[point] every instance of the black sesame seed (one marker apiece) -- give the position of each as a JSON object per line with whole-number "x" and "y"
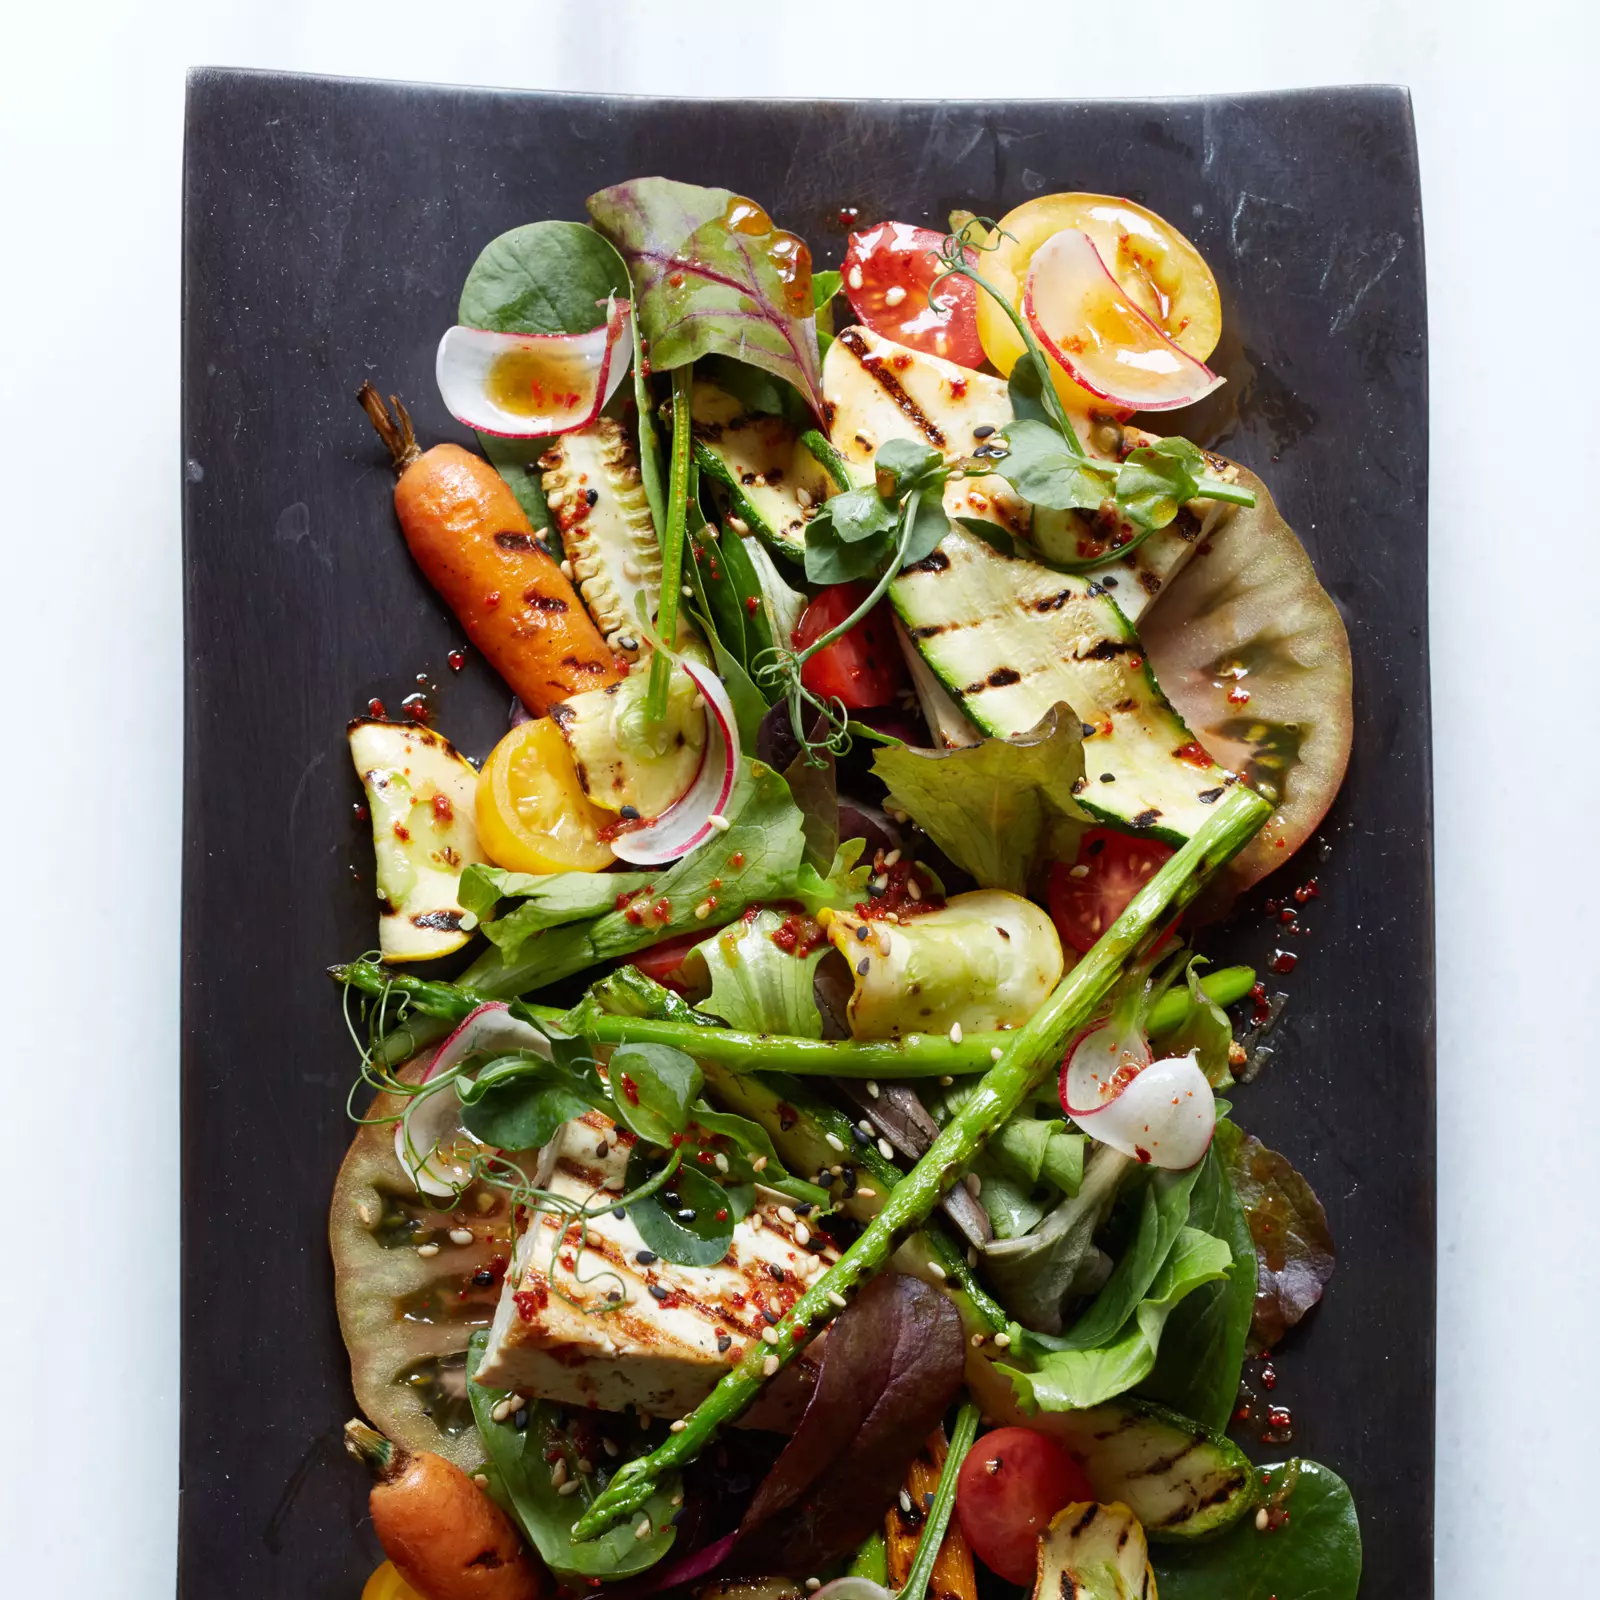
{"x": 863, "y": 933}
{"x": 647, "y": 1258}
{"x": 771, "y": 1318}
{"x": 1109, "y": 582}
{"x": 1088, "y": 730}
{"x": 983, "y": 430}
{"x": 591, "y": 495}
{"x": 620, "y": 1213}
{"x": 778, "y": 1274}
{"x": 520, "y": 1421}
{"x": 613, "y": 1295}
{"x": 863, "y": 966}
{"x": 804, "y": 1209}
{"x": 658, "y": 1293}
{"x": 1208, "y": 796}
{"x": 724, "y": 1343}
{"x": 1108, "y": 777}
{"x": 629, "y": 813}
{"x": 686, "y": 1214}
{"x": 603, "y": 1149}
{"x": 483, "y": 1277}
{"x": 860, "y": 1137}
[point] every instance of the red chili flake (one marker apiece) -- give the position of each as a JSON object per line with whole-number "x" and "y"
{"x": 1194, "y": 753}
{"x": 630, "y": 1089}
{"x": 751, "y": 603}
{"x": 849, "y": 216}
{"x": 736, "y": 859}
{"x": 457, "y": 660}
{"x": 362, "y": 814}
{"x": 635, "y": 916}
{"x": 662, "y": 909}
{"x": 623, "y": 899}
{"x": 675, "y": 279}
{"x": 1269, "y": 1376}
{"x": 1283, "y": 961}
{"x": 1143, "y": 1154}
{"x": 958, "y": 388}
{"x": 492, "y": 599}
{"x": 722, "y": 1213}
{"x": 1308, "y": 891}
{"x": 444, "y": 813}
{"x": 677, "y": 1138}
{"x": 1238, "y": 696}
{"x": 531, "y": 1301}
{"x": 402, "y": 833}
{"x": 375, "y": 708}
{"x": 716, "y": 883}
{"x": 415, "y": 706}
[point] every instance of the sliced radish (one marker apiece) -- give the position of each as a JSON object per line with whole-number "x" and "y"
{"x": 1162, "y": 1113}
{"x": 1102, "y": 339}
{"x": 1099, "y": 1065}
{"x": 698, "y": 813}
{"x": 431, "y": 1143}
{"x": 531, "y": 385}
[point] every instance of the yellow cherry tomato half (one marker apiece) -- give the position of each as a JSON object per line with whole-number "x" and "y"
{"x": 387, "y": 1584}
{"x": 532, "y": 813}
{"x": 1158, "y": 269}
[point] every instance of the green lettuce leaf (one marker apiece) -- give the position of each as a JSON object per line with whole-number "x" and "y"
{"x": 546, "y": 900}
{"x": 990, "y": 806}
{"x": 703, "y": 288}
{"x": 1070, "y": 1380}
{"x": 755, "y": 985}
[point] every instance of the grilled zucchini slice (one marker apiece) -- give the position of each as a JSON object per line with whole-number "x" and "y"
{"x": 1094, "y": 1552}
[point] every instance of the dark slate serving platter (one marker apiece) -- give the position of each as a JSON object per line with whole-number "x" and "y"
{"x": 327, "y": 227}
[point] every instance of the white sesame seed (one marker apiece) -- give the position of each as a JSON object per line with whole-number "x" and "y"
{"x": 688, "y": 591}
{"x": 1002, "y": 1339}
{"x": 995, "y": 1052}
{"x": 678, "y": 1426}
{"x": 785, "y": 1214}
{"x": 977, "y": 1340}
{"x": 481, "y": 1479}
{"x": 759, "y": 1164}
{"x": 506, "y": 1408}
{"x": 585, "y": 1466}
{"x": 865, "y": 1127}
{"x": 1263, "y": 1520}
{"x": 719, "y": 822}
{"x": 719, "y": 1161}
{"x": 677, "y": 1498}
{"x": 756, "y": 1221}
{"x": 972, "y": 1255}
{"x": 937, "y": 1271}
{"x": 835, "y": 1142}
{"x": 913, "y": 889}
{"x": 894, "y": 294}
{"x": 739, "y": 525}
{"x": 571, "y": 1486}
{"x": 854, "y": 278}
{"x": 769, "y": 1335}
{"x": 802, "y": 1234}
{"x": 867, "y": 1194}
{"x": 1078, "y": 872}
{"x": 813, "y": 1584}
{"x": 880, "y": 883}
{"x": 611, "y": 1448}
{"x": 703, "y": 910}
{"x": 873, "y": 1089}
{"x": 955, "y": 1033}
{"x": 945, "y": 1080}
{"x": 558, "y": 1473}
{"x": 837, "y": 1299}
{"x": 974, "y": 1184}
{"x": 892, "y": 857}
{"x": 770, "y": 1366}
{"x": 643, "y": 1530}
{"x": 886, "y": 1150}
{"x": 485, "y": 1201}
{"x": 427, "y": 1251}
{"x": 803, "y": 495}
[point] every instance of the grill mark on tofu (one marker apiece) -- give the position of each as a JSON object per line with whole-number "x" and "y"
{"x": 876, "y": 368}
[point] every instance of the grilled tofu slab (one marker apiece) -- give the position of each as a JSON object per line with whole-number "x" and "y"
{"x": 672, "y": 1331}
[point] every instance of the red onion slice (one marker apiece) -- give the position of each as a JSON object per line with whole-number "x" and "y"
{"x": 1104, "y": 341}
{"x": 697, "y": 813}
{"x": 567, "y": 377}
{"x": 430, "y": 1143}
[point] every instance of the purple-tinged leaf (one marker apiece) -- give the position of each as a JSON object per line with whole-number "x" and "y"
{"x": 1294, "y": 1249}
{"x": 891, "y": 1367}
{"x": 711, "y": 275}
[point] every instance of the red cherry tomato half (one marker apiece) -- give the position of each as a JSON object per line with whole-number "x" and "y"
{"x": 664, "y": 961}
{"x": 1086, "y": 897}
{"x": 863, "y": 667}
{"x": 887, "y": 272}
{"x": 1010, "y": 1486}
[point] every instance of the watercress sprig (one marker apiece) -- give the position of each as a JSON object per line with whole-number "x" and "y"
{"x": 875, "y": 530}
{"x": 1040, "y": 455}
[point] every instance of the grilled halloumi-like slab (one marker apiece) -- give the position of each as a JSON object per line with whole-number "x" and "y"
{"x": 673, "y": 1330}
{"x": 875, "y": 389}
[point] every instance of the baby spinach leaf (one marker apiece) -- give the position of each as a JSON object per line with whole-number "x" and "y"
{"x": 524, "y": 1458}
{"x": 652, "y": 1087}
{"x": 1293, "y": 1245}
{"x": 758, "y": 986}
{"x": 546, "y": 277}
{"x": 988, "y": 806}
{"x": 1312, "y": 1554}
{"x": 1157, "y": 480}
{"x": 545, "y": 900}
{"x": 691, "y": 1221}
{"x": 523, "y": 1113}
{"x": 702, "y": 287}
{"x": 1026, "y": 389}
{"x": 1202, "y": 1348}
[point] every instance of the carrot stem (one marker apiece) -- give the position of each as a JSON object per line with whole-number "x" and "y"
{"x": 381, "y": 1456}
{"x": 396, "y": 431}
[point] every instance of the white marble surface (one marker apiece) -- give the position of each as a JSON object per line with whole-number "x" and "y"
{"x": 91, "y": 121}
